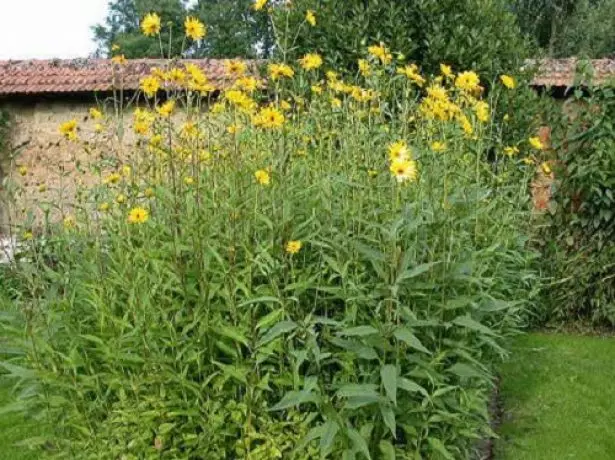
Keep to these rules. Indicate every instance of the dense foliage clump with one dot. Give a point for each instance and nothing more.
(328, 270)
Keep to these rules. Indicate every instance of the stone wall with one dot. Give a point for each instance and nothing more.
(44, 167)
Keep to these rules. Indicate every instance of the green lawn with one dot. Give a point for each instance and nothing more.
(559, 399)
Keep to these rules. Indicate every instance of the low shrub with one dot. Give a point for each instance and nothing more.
(326, 276)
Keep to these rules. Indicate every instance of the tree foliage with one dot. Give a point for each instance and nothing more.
(234, 29)
(477, 34)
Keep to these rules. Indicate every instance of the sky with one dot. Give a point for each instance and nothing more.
(44, 29)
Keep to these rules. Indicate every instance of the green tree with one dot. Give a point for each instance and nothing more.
(122, 28)
(234, 29)
(477, 34)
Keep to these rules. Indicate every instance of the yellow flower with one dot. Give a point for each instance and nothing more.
(285, 105)
(511, 151)
(277, 71)
(232, 129)
(195, 29)
(175, 75)
(104, 207)
(546, 168)
(69, 129)
(138, 215)
(262, 177)
(23, 170)
(293, 247)
(466, 125)
(332, 76)
(310, 17)
(411, 71)
(482, 111)
(316, 89)
(311, 61)
(508, 81)
(235, 67)
(150, 86)
(189, 180)
(189, 130)
(151, 25)
(218, 107)
(269, 117)
(528, 161)
(536, 143)
(69, 222)
(248, 84)
(166, 109)
(126, 170)
(120, 59)
(115, 47)
(403, 170)
(381, 52)
(467, 81)
(446, 70)
(336, 103)
(121, 198)
(112, 178)
(95, 113)
(364, 67)
(399, 151)
(259, 4)
(42, 188)
(141, 127)
(99, 128)
(438, 146)
(240, 99)
(27, 235)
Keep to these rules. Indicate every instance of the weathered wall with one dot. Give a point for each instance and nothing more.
(52, 164)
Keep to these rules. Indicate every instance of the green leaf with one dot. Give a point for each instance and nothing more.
(360, 331)
(283, 327)
(437, 446)
(406, 336)
(296, 398)
(389, 419)
(465, 370)
(414, 272)
(17, 371)
(469, 323)
(388, 375)
(315, 433)
(387, 450)
(410, 386)
(358, 442)
(270, 318)
(353, 390)
(232, 333)
(266, 299)
(330, 430)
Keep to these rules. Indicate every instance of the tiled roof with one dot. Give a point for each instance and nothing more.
(562, 72)
(89, 75)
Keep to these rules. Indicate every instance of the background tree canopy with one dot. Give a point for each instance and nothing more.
(488, 35)
(234, 29)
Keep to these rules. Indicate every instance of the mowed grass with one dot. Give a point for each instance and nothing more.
(559, 399)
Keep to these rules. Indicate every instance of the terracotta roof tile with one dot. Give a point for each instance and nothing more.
(563, 72)
(88, 75)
